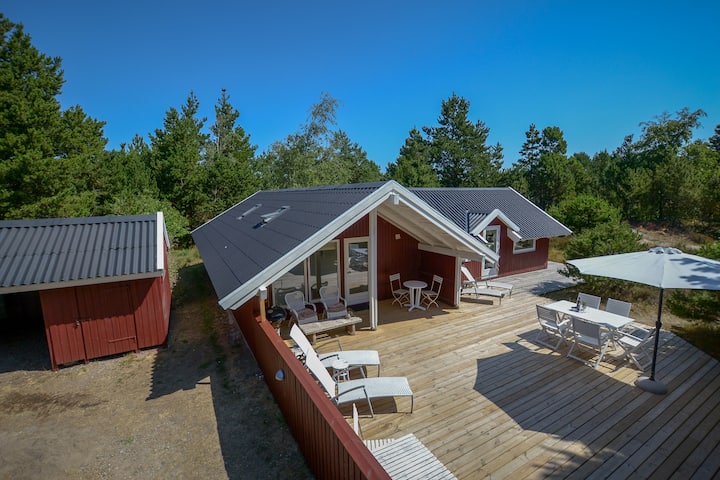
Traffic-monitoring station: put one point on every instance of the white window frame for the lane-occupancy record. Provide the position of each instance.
(525, 249)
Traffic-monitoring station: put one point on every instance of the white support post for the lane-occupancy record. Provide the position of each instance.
(373, 270)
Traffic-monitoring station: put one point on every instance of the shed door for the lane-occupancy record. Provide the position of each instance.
(62, 326)
(107, 319)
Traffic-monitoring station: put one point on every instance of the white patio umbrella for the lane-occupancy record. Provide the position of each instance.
(658, 267)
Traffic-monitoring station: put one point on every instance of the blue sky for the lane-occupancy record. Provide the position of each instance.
(594, 70)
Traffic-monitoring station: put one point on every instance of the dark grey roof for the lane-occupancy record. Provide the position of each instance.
(244, 240)
(39, 253)
(454, 203)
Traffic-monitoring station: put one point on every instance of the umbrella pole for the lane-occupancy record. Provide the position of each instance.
(650, 384)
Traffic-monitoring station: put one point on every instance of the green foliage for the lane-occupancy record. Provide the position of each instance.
(545, 173)
(127, 203)
(177, 154)
(458, 149)
(29, 83)
(701, 305)
(584, 212)
(316, 155)
(47, 155)
(603, 239)
(414, 165)
(228, 162)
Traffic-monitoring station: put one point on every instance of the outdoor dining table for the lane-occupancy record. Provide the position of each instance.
(415, 287)
(610, 320)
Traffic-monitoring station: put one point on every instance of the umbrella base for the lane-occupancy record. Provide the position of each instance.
(652, 386)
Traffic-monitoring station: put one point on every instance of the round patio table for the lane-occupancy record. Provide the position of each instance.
(415, 287)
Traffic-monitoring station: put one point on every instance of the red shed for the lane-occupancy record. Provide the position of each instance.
(102, 283)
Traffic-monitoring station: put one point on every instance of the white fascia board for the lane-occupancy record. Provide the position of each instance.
(162, 240)
(79, 283)
(249, 289)
(497, 213)
(514, 236)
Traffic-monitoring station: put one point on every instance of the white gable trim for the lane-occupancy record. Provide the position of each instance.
(495, 214)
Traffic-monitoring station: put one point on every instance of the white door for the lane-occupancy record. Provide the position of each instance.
(492, 235)
(356, 270)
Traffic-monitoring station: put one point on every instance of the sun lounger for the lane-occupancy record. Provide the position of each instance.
(365, 389)
(354, 358)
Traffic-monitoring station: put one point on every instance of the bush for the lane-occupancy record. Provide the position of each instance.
(694, 304)
(584, 212)
(603, 239)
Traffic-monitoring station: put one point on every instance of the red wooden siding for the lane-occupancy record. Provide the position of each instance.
(512, 263)
(331, 448)
(107, 319)
(94, 321)
(64, 334)
(442, 265)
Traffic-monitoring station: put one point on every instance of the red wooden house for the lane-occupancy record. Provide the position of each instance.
(354, 237)
(101, 284)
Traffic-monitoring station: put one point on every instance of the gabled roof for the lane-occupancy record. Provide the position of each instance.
(255, 242)
(62, 252)
(457, 203)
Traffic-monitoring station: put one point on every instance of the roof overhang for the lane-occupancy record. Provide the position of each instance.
(34, 287)
(394, 203)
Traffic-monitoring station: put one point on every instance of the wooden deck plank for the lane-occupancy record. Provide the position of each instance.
(490, 401)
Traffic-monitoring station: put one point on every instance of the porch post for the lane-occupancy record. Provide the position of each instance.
(373, 270)
(458, 281)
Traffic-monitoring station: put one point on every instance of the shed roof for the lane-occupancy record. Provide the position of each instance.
(61, 252)
(256, 241)
(457, 203)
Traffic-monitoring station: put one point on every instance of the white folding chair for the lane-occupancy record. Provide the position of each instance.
(552, 326)
(591, 336)
(618, 307)
(431, 295)
(400, 295)
(591, 301)
(634, 341)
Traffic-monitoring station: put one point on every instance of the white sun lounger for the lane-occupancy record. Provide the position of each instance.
(354, 358)
(361, 389)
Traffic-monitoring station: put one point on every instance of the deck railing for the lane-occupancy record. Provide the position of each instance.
(330, 446)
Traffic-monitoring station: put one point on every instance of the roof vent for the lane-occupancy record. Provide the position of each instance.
(249, 211)
(269, 217)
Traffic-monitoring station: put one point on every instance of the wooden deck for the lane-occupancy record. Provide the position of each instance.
(490, 402)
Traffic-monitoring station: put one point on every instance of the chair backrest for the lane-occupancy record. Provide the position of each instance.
(436, 283)
(318, 369)
(546, 314)
(394, 279)
(587, 329)
(467, 274)
(301, 340)
(295, 300)
(330, 294)
(618, 307)
(591, 301)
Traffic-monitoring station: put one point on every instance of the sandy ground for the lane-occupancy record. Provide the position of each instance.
(196, 409)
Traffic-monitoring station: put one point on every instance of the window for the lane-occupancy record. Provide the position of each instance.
(319, 270)
(524, 246)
